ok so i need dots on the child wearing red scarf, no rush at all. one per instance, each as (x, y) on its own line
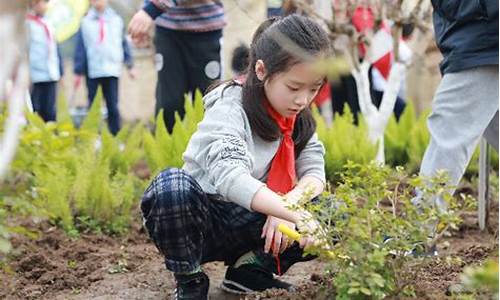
(254, 154)
(101, 50)
(45, 61)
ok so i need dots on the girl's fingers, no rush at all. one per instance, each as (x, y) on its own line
(264, 228)
(269, 239)
(302, 242)
(306, 242)
(277, 242)
(284, 243)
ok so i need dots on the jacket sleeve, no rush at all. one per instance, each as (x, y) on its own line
(61, 62)
(223, 149)
(151, 9)
(311, 161)
(154, 8)
(463, 10)
(80, 56)
(128, 59)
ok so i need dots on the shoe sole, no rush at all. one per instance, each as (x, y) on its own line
(235, 288)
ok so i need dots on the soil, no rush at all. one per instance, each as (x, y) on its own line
(97, 266)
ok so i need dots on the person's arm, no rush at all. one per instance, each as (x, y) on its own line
(165, 5)
(153, 10)
(268, 202)
(128, 59)
(311, 185)
(271, 204)
(310, 167)
(80, 55)
(61, 62)
(142, 21)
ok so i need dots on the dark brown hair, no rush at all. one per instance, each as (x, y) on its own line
(309, 38)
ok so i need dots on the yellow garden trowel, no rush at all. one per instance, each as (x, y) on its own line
(294, 235)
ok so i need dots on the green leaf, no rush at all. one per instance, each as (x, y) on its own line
(5, 246)
(365, 291)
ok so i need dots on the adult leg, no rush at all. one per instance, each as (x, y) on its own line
(172, 77)
(464, 105)
(203, 57)
(491, 132)
(110, 93)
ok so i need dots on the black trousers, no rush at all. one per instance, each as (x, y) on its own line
(185, 61)
(43, 97)
(109, 86)
(190, 228)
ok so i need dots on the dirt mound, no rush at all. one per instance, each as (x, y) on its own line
(96, 266)
(55, 262)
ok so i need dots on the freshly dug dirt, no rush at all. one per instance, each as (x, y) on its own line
(96, 266)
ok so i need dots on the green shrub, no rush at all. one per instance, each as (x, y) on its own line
(164, 150)
(80, 174)
(344, 141)
(370, 204)
(397, 137)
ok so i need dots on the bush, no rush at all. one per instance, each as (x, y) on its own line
(371, 225)
(81, 173)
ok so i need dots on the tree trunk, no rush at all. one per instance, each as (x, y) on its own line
(13, 75)
(377, 119)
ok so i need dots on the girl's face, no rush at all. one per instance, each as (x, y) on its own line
(100, 5)
(40, 7)
(291, 91)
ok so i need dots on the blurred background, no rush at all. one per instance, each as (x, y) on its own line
(243, 16)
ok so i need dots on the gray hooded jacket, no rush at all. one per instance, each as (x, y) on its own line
(226, 158)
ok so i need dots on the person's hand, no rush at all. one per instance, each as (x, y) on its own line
(308, 227)
(139, 28)
(132, 73)
(275, 240)
(77, 80)
(294, 196)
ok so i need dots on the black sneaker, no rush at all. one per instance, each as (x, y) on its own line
(191, 287)
(251, 278)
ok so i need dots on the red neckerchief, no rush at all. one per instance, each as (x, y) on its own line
(41, 22)
(102, 33)
(281, 177)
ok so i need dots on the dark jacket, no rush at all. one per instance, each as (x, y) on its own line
(466, 33)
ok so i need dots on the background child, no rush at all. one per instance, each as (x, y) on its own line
(101, 49)
(256, 143)
(45, 61)
(239, 61)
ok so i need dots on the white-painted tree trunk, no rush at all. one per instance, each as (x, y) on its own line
(377, 119)
(483, 197)
(14, 69)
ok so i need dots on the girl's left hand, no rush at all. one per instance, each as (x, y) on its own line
(275, 240)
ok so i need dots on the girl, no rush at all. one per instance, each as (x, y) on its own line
(45, 61)
(252, 156)
(100, 51)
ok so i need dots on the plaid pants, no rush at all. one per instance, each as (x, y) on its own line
(190, 228)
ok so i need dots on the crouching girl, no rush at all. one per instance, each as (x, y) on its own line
(253, 154)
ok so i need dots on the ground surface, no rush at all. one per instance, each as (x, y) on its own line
(101, 267)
